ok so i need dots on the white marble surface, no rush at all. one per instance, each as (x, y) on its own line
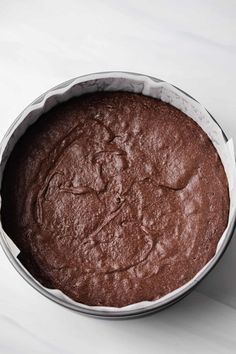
(191, 44)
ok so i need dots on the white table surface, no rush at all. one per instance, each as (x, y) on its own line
(191, 44)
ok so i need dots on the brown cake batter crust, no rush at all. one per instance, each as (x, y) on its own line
(114, 198)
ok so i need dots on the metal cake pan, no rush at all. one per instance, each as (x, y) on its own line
(131, 82)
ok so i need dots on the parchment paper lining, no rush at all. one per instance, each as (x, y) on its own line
(139, 84)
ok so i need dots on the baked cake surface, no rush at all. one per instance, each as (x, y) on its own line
(114, 198)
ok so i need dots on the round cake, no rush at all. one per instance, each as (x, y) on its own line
(114, 198)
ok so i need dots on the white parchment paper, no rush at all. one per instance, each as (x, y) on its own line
(148, 86)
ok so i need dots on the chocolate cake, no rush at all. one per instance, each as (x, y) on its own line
(114, 198)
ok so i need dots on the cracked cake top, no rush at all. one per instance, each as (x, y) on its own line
(114, 198)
